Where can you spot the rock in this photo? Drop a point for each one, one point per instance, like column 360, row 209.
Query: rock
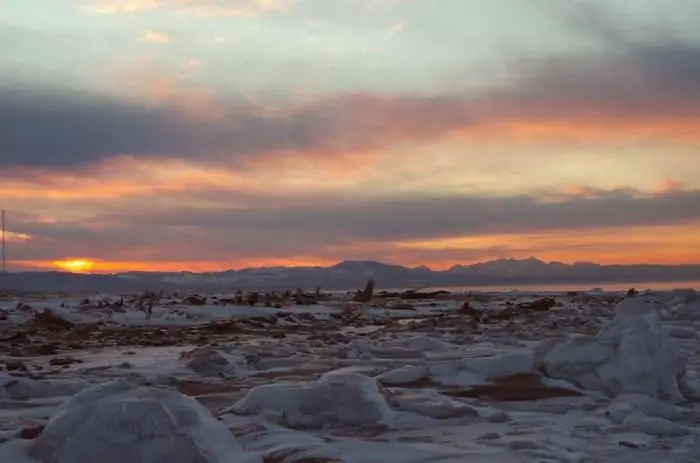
column 215, row 361
column 119, row 421
column 632, row 354
column 336, row 398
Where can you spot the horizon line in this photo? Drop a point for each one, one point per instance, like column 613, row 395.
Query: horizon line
column 66, row 271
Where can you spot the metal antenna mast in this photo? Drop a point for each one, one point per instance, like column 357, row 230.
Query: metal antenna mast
column 4, row 247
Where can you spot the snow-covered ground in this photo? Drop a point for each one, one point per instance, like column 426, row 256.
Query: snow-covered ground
column 585, row 377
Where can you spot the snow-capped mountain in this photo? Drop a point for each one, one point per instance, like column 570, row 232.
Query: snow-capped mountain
column 348, row 275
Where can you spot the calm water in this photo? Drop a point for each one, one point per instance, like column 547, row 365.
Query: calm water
column 563, row 287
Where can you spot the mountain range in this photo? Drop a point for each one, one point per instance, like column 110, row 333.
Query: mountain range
column 352, row 274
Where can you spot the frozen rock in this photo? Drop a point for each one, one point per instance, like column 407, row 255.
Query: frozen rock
column 215, row 361
column 336, row 398
column 118, row 421
column 632, row 354
column 432, row 404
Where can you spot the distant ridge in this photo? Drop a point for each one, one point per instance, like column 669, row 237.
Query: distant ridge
column 351, row 274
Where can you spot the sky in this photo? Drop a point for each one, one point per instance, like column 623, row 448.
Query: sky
column 206, row 135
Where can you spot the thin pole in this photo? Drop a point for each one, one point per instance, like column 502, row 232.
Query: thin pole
column 4, row 248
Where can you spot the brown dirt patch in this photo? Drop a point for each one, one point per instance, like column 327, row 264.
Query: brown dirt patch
column 520, row 387
column 195, row 388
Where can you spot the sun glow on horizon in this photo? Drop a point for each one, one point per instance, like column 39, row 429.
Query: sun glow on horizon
column 75, row 265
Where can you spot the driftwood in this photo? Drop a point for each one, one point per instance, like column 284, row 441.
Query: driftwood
column 195, row 299
column 147, row 300
column 50, row 320
column 539, row 305
column 366, row 294
column 305, row 299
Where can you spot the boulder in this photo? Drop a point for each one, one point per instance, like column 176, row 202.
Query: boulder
column 119, row 421
column 632, row 354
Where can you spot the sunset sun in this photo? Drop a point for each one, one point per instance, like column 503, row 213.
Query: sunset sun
column 75, row 265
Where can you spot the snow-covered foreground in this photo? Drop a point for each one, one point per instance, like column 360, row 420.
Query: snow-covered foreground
column 510, row 377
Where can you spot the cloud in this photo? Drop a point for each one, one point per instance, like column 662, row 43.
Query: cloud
column 639, row 92
column 151, row 36
column 243, row 8
column 336, row 227
column 396, row 28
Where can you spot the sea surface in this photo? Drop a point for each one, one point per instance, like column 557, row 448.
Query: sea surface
column 564, row 287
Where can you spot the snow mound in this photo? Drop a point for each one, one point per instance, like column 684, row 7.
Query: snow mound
column 336, row 398
column 404, row 375
column 212, row 361
column 432, row 404
column 289, row 446
column 26, row 388
column 118, row 421
column 688, row 310
column 633, row 354
column 464, row 372
column 476, row 371
column 632, row 404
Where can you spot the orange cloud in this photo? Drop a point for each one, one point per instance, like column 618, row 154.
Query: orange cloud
column 16, row 237
column 125, row 177
column 657, row 188
column 671, row 244
column 613, row 128
column 144, row 82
